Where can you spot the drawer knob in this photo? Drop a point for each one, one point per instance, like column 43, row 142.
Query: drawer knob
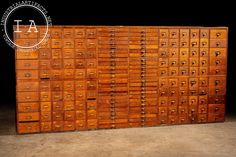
column 218, row 35
column 28, row 117
column 217, row 62
column 27, row 74
column 217, row 82
column 203, row 53
column 217, row 53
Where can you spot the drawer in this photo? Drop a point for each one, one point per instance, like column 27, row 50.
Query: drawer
column 192, row 110
column 69, row 86
column 204, row 33
column 193, row 82
column 184, row 43
column 203, row 62
column 193, row 71
column 45, row 106
column 163, row 82
column 183, row 100
column 56, row 85
column 193, row 100
column 163, row 119
column 203, row 90
column 26, row 42
column 28, row 107
column 80, row 53
column 57, row 96
column 91, row 53
column 58, row 125
column 173, row 120
column 80, row 74
column 27, row 96
column 80, row 105
column 27, row 74
column 183, row 82
column 69, row 125
column 56, row 53
column 91, row 33
column 69, row 95
column 173, row 33
column 164, row 33
column 80, row 124
column 218, row 43
column 79, row 33
column 173, row 71
column 183, row 91
column 91, row 73
column 45, row 116
column 194, row 52
column 163, row 101
column 69, row 63
column 26, row 117
column 184, row 62
column 203, row 99
column 80, row 85
column 27, row 86
column 217, row 81
column 91, row 63
column 183, row 110
column 44, row 64
column 44, row 74
column 69, row 115
column 57, row 106
column 219, row 70
column 69, row 105
column 44, row 85
column 173, row 92
column 31, row 127
column 58, row 115
column 204, row 42
column 26, row 34
column 46, row 43
column 163, row 111
column 69, row 73
column 218, row 34
column 164, row 43
column 91, row 85
column 26, row 54
column 173, row 43
column 194, row 33
column 218, row 52
column 46, row 126
column 184, row 34
column 173, row 101
column 91, row 43
column 217, row 99
column 91, row 114
column 218, row 62
column 163, row 72
column 216, row 117
column 69, row 53
column 80, row 95
column 193, row 62
column 91, row 104
column 202, row 109
column 56, row 43
column 68, row 33
column 45, row 96
column 56, row 33
column 183, row 119
column 203, row 71
column 172, row 110
column 91, row 94
column 44, row 53
column 68, row 43
column 217, row 90
column 92, row 123
column 80, row 115
column 204, row 52
column 202, row 118
column 27, row 64
column 173, row 53
column 184, row 52
column 173, row 62
column 80, row 63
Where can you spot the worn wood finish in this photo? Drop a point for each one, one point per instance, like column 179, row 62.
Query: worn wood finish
column 98, row 77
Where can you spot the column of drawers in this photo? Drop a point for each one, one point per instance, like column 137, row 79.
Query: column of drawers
column 113, row 77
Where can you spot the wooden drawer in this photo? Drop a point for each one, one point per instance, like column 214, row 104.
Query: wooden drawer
column 216, row 108
column 45, row 126
column 218, row 34
column 28, row 107
column 58, row 125
column 27, row 64
column 27, row 74
column 25, row 54
column 27, row 117
column 27, row 86
column 31, row 127
column 45, row 116
column 27, row 96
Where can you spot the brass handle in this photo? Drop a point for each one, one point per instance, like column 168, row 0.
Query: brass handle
column 27, row 74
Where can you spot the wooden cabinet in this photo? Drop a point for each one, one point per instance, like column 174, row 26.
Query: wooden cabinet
column 94, row 77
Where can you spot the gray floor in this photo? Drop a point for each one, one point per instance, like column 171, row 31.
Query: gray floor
column 200, row 140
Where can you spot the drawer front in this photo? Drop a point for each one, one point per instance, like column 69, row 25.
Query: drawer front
column 26, row 117
column 32, row 127
column 28, row 107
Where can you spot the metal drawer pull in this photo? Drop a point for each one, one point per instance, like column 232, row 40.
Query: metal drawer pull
column 27, row 74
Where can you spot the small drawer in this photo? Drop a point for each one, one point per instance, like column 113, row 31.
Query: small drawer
column 173, row 92
column 26, row 42
column 204, row 43
column 56, row 33
column 56, row 63
column 193, row 62
column 202, row 109
column 184, row 34
column 173, row 101
column 172, row 110
column 91, row 104
column 26, row 54
column 69, row 105
column 173, row 62
column 27, row 74
column 69, row 85
column 194, row 52
column 163, row 52
column 218, row 43
column 173, row 120
column 163, row 101
column 203, row 62
column 57, row 106
column 173, row 52
column 173, row 43
column 58, row 115
column 164, row 33
column 27, row 86
column 57, row 96
column 80, row 85
column 27, row 96
column 218, row 34
column 68, row 53
column 184, row 52
column 45, row 116
column 173, row 33
column 91, row 85
column 91, row 73
column 183, row 119
column 80, row 74
column 80, row 53
column 69, row 96
column 192, row 110
column 69, row 63
column 193, row 100
column 69, row 125
column 68, row 43
column 215, row 117
column 80, row 64
column 183, row 110
column 202, row 118
column 164, row 43
column 220, row 70
column 58, row 125
column 69, row 115
column 91, row 33
column 183, row 100
column 193, row 71
column 203, row 71
column 80, row 105
column 217, row 90
column 46, row 126
column 56, row 43
column 56, row 85
column 217, row 82
column 69, row 73
column 204, row 33
column 218, row 52
column 91, row 63
column 68, row 33
column 44, row 86
column 183, row 71
column 56, row 53
column 183, row 91
column 28, row 107
column 45, row 96
column 92, row 123
column 204, row 52
column 183, row 81
column 44, row 74
column 80, row 115
column 79, row 33
column 194, row 33
column 163, row 82
column 26, row 117
column 44, row 64
column 173, row 71
column 27, row 64
column 218, row 62
column 203, row 100
column 80, row 44
column 80, row 124
column 44, row 53
column 32, row 127
column 45, row 106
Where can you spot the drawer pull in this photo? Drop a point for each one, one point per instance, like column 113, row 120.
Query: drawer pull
column 58, row 126
column 216, row 109
column 217, row 62
column 217, row 53
column 204, row 43
column 27, row 74
column 29, row 127
column 216, row 91
column 28, row 97
column 218, row 35
column 27, row 64
column 217, row 71
column 194, row 44
column 204, row 34
column 217, row 82
column 45, row 96
column 45, row 106
column 69, row 126
column 28, row 117
column 217, row 44
column 203, row 53
column 28, row 107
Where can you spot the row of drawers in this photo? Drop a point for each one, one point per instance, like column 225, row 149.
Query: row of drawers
column 76, row 32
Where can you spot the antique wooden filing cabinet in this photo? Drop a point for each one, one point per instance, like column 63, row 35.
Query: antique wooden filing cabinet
column 95, row 77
